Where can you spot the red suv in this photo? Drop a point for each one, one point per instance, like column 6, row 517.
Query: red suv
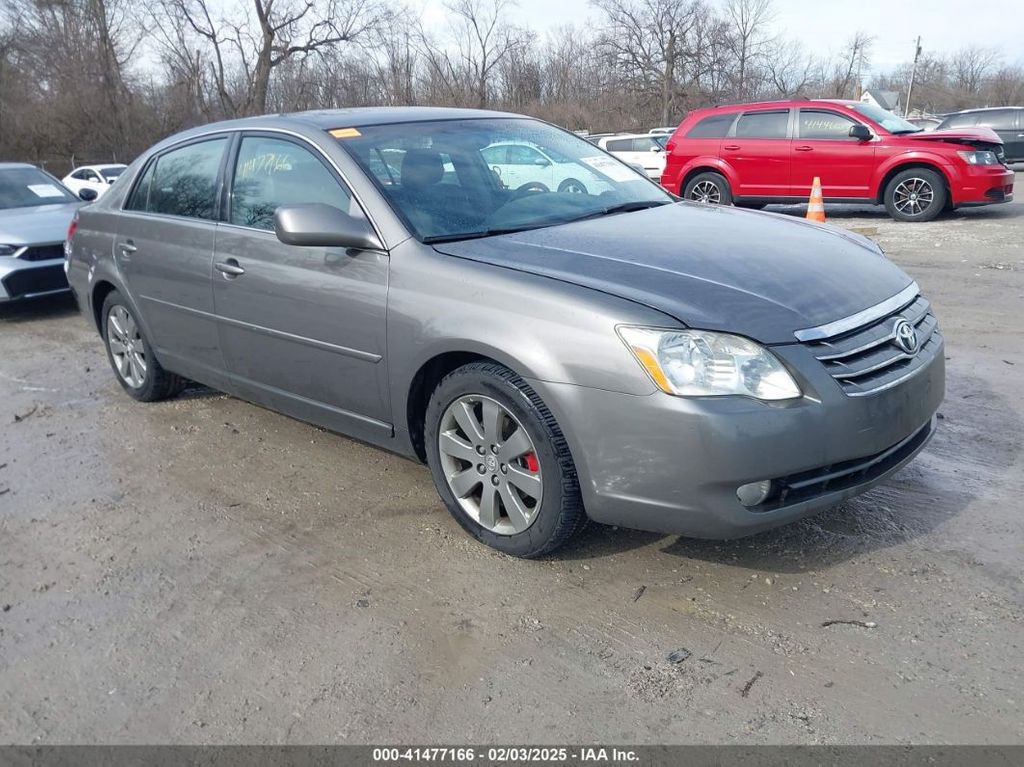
column 754, row 154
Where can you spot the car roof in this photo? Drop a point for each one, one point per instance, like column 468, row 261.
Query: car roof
column 102, row 166
column 777, row 104
column 15, row 165
column 979, row 109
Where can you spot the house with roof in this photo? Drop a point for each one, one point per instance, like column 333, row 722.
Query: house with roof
column 888, row 100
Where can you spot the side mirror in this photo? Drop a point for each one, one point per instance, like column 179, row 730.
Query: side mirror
column 860, row 132
column 87, row 194
column 316, row 224
column 542, row 162
column 657, row 149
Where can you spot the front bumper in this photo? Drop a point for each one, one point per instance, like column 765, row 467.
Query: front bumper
column 673, row 464
column 981, row 185
column 20, row 278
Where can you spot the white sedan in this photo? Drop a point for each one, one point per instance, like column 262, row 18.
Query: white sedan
column 638, row 149
column 522, row 165
column 98, row 177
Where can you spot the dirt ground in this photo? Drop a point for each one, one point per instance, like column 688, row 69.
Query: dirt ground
column 203, row 570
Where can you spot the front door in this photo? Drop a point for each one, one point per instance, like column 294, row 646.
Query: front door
column 757, row 150
column 302, row 329
column 823, row 148
column 164, row 249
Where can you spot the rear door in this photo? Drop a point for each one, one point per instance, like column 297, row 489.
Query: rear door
column 302, row 329
column 164, row 249
column 642, row 151
column 758, row 150
column 823, row 147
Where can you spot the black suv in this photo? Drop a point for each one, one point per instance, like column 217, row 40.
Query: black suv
column 1008, row 122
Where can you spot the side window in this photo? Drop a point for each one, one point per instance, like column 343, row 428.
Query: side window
column 645, row 144
column 961, row 121
column 182, row 182
column 824, row 125
column 763, row 124
column 139, row 199
column 91, row 176
column 494, row 155
column 518, row 154
column 715, row 126
column 271, row 172
column 620, row 145
column 80, row 175
column 997, row 119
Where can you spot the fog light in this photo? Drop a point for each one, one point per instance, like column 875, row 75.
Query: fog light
column 754, row 493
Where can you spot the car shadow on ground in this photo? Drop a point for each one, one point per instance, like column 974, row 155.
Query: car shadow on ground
column 975, row 446
column 32, row 309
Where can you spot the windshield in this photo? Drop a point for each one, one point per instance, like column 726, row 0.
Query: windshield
column 886, row 119
column 27, row 187
column 456, row 179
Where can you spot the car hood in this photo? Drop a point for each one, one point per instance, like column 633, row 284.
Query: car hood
column 41, row 224
column 761, row 275
column 958, row 136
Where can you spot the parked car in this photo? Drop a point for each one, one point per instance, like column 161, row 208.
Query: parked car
column 551, row 356
column 1007, row 122
column 753, row 154
column 35, row 212
column 531, row 168
column 639, row 149
column 96, row 177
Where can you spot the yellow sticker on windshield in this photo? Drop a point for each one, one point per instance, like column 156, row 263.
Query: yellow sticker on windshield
column 345, row 133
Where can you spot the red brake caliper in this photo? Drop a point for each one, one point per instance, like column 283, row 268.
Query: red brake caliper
column 531, row 462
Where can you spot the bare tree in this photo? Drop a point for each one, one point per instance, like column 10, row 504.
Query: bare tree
column 840, row 74
column 748, row 39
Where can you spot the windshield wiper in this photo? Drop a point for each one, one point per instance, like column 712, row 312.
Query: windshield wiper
column 622, row 207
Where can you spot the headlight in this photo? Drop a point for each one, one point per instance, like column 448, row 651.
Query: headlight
column 698, row 363
column 979, row 158
column 8, row 250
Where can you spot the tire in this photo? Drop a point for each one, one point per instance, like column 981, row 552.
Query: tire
column 906, row 191
column 137, row 369
column 557, row 512
column 708, row 187
column 751, row 205
column 572, row 186
column 532, row 187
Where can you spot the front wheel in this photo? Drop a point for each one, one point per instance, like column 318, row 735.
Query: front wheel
column 916, row 194
column 572, row 186
column 500, row 462
column 709, row 188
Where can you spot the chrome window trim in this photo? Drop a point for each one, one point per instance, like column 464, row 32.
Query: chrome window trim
column 861, row 318
column 259, row 129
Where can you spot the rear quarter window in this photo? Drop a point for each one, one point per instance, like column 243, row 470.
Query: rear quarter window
column 714, row 126
column 997, row 119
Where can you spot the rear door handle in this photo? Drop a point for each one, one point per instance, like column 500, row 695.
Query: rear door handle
column 805, row 148
column 731, row 146
column 127, row 247
column 229, row 268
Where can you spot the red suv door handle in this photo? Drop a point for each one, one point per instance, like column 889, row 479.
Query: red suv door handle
column 731, row 146
column 805, row 148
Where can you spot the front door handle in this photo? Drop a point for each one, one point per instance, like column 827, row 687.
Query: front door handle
column 731, row 146
column 804, row 148
column 127, row 247
column 229, row 268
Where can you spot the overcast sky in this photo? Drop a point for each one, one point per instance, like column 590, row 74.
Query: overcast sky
column 824, row 25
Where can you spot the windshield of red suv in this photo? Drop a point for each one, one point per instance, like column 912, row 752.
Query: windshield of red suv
column 887, row 119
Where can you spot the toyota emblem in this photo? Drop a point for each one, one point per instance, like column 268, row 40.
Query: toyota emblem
column 905, row 337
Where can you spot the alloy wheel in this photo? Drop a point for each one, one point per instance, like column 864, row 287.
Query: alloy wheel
column 913, row 196
column 126, row 346
column 490, row 464
column 706, row 191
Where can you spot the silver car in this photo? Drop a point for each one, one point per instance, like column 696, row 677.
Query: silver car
column 35, row 211
column 552, row 357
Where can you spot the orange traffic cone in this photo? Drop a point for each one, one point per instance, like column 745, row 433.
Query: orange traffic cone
column 816, row 205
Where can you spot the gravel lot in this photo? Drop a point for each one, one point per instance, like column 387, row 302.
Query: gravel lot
column 203, row 570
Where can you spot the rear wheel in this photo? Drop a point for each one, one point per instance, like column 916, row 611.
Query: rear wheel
column 131, row 355
column 572, row 186
column 500, row 463
column 708, row 187
column 916, row 194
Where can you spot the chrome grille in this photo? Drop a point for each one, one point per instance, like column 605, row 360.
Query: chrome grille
column 867, row 360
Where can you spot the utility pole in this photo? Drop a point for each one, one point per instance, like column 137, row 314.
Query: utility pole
column 913, row 72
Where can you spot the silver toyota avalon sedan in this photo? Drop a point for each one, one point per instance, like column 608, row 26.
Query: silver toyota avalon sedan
column 556, row 344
